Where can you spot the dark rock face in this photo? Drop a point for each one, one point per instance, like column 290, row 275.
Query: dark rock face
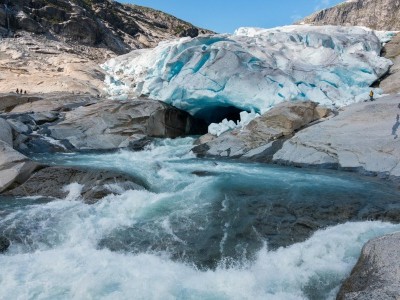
column 49, row 182
column 172, row 122
column 375, row 14
column 376, row 274
column 82, row 30
column 104, row 23
column 4, row 244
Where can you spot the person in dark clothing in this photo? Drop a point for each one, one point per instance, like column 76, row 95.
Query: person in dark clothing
column 17, row 91
column 25, row 92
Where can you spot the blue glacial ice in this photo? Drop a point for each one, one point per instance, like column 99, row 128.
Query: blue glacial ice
column 254, row 69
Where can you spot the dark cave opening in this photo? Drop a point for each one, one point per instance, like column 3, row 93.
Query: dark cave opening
column 215, row 114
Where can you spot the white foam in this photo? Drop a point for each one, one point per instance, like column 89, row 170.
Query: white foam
column 82, row 272
column 74, row 191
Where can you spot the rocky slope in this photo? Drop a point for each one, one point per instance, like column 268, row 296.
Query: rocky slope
column 57, row 45
column 375, row 14
column 102, row 23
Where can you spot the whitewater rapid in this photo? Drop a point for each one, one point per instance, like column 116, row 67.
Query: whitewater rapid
column 65, row 249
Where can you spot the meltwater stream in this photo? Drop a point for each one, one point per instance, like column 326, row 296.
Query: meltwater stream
column 204, row 229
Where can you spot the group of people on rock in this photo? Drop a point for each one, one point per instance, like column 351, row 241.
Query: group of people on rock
column 20, row 91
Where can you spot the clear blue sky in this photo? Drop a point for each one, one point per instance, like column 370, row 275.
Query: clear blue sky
column 227, row 15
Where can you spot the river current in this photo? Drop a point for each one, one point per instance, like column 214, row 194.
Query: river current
column 203, row 229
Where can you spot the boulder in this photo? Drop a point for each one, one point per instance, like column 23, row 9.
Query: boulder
column 109, row 124
column 15, row 168
column 19, row 125
column 279, row 122
column 6, row 132
column 50, row 182
column 44, row 117
column 363, row 137
column 377, row 272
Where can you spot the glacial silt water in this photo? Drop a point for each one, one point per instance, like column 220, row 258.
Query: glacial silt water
column 204, row 229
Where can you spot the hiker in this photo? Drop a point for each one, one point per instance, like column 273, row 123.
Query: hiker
column 17, row 91
column 371, row 95
column 25, row 92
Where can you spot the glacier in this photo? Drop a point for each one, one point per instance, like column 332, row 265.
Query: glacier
column 253, row 69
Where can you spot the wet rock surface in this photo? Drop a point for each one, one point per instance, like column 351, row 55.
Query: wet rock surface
column 377, row 272
column 95, row 184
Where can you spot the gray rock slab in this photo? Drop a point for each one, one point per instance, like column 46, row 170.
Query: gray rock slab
column 109, row 124
column 15, row 168
column 377, row 272
column 364, row 136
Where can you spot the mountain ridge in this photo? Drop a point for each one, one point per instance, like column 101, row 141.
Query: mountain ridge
column 375, row 14
column 100, row 23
